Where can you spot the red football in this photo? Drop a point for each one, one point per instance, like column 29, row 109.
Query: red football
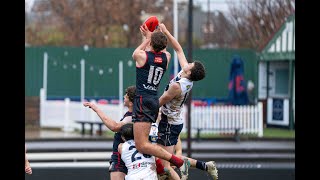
column 152, row 23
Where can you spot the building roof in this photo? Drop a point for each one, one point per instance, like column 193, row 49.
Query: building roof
column 282, row 45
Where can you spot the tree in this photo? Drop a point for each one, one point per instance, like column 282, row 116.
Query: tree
column 257, row 20
column 97, row 23
column 223, row 32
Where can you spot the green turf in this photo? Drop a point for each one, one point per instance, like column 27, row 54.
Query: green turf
column 278, row 132
column 267, row 133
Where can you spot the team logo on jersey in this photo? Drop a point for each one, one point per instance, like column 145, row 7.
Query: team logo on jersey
column 153, row 139
column 157, row 60
column 136, row 166
column 188, row 87
column 149, row 87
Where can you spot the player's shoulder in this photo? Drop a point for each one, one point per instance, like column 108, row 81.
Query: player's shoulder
column 168, row 54
column 175, row 86
column 129, row 142
column 124, row 146
column 185, row 84
column 139, row 54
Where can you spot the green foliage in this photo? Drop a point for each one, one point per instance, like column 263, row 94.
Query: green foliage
column 116, row 36
column 51, row 36
column 55, row 38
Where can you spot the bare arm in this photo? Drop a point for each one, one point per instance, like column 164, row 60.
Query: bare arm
column 168, row 56
column 139, row 54
column 159, row 116
column 173, row 91
column 120, row 148
column 110, row 123
column 176, row 46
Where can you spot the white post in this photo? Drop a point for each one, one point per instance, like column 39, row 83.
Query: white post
column 82, row 86
column 67, row 120
column 175, row 34
column 233, row 117
column 223, row 117
column 237, row 114
column 228, row 118
column 241, row 119
column 252, row 119
column 246, row 118
column 45, row 73
column 214, row 117
column 120, row 88
column 258, row 117
column 260, row 124
column 42, row 105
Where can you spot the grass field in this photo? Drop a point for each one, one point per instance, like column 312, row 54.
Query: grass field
column 267, row 133
column 277, row 132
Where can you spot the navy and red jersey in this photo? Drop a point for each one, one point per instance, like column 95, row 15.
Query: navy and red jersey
column 117, row 140
column 149, row 75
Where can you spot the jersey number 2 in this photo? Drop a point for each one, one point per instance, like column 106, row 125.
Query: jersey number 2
column 133, row 158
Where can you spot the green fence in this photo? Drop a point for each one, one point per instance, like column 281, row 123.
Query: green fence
column 102, row 72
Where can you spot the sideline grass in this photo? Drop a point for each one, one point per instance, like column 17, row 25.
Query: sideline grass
column 267, row 133
column 278, row 132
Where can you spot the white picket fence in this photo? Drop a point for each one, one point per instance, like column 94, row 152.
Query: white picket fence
column 223, row 119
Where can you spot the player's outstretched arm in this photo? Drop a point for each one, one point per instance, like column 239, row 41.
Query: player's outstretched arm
column 176, row 46
column 173, row 90
column 110, row 123
column 27, row 167
column 139, row 54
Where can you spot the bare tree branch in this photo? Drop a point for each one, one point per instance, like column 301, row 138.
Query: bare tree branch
column 258, row 20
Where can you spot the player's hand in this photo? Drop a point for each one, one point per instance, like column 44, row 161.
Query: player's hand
column 163, row 28
column 90, row 105
column 145, row 31
column 27, row 168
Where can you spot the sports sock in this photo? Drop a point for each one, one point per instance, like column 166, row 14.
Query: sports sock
column 160, row 167
column 201, row 165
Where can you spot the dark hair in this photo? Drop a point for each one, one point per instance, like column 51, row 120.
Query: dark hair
column 131, row 91
column 127, row 131
column 158, row 41
column 198, row 71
